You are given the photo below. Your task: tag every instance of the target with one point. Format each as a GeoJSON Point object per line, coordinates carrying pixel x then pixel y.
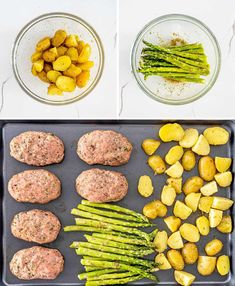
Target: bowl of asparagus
{"type": "Point", "coordinates": [175, 59]}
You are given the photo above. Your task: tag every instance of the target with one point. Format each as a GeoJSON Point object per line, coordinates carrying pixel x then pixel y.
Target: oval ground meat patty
{"type": "Point", "coordinates": [37, 262]}
{"type": "Point", "coordinates": [100, 186]}
{"type": "Point", "coordinates": [37, 148]}
{"type": "Point", "coordinates": [34, 186]}
{"type": "Point", "coordinates": [105, 147]}
{"type": "Point", "coordinates": [36, 226]}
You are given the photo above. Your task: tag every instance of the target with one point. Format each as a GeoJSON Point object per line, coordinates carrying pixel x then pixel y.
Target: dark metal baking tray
{"type": "Point", "coordinates": [68, 170]}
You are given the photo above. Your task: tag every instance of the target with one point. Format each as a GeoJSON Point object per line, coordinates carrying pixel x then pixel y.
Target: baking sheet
{"type": "Point", "coordinates": [72, 166]}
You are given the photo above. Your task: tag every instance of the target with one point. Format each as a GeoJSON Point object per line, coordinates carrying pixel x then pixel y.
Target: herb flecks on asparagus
{"type": "Point", "coordinates": [186, 63]}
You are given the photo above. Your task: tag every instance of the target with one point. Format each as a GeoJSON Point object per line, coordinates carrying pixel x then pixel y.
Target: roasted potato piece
{"type": "Point", "coordinates": [206, 265]}
{"type": "Point", "coordinates": [192, 185]}
{"type": "Point", "coordinates": [171, 132]}
{"type": "Point", "coordinates": [223, 265]}
{"type": "Point", "coordinates": [192, 201]}
{"type": "Point", "coordinates": [175, 241]}
{"type": "Point", "coordinates": [190, 253]}
{"type": "Point", "coordinates": [80, 46]}
{"type": "Point", "coordinates": [54, 90]}
{"type": "Point", "coordinates": [190, 138]}
{"type": "Point", "coordinates": [50, 55]}
{"type": "Point", "coordinates": [162, 262]}
{"type": "Point", "coordinates": [181, 210]}
{"type": "Point", "coordinates": [222, 164]}
{"type": "Point", "coordinates": [84, 54]}
{"type": "Point", "coordinates": [38, 65]}
{"type": "Point", "coordinates": [86, 67]}
{"type": "Point", "coordinates": [189, 232]}
{"type": "Point", "coordinates": [174, 155]}
{"type": "Point", "coordinates": [73, 54]}
{"type": "Point", "coordinates": [36, 56]}
{"type": "Point", "coordinates": [66, 83]}
{"type": "Point", "coordinates": [206, 168]}
{"type": "Point", "coordinates": [216, 135]}
{"type": "Point", "coordinates": [53, 75]}
{"type": "Point", "coordinates": [224, 179]}
{"type": "Point", "coordinates": [83, 78]}
{"type": "Point", "coordinates": [222, 204]}
{"type": "Point", "coordinates": [43, 44]}
{"type": "Point", "coordinates": [168, 195]}
{"type": "Point", "coordinates": [173, 223]}
{"type": "Point", "coordinates": [62, 63]}
{"type": "Point", "coordinates": [43, 77]}
{"type": "Point", "coordinates": [205, 204]}
{"type": "Point", "coordinates": [176, 259]}
{"type": "Point", "coordinates": [203, 225]}
{"type": "Point", "coordinates": [47, 67]}
{"type": "Point", "coordinates": [215, 217]}
{"type": "Point", "coordinates": [160, 241]}
{"type": "Point", "coordinates": [145, 186]}
{"type": "Point", "coordinates": [176, 183]}
{"type": "Point", "coordinates": [184, 278]}
{"type": "Point", "coordinates": [33, 71]}
{"type": "Point", "coordinates": [61, 51]}
{"type": "Point", "coordinates": [213, 247]}
{"type": "Point", "coordinates": [71, 41]}
{"type": "Point", "coordinates": [58, 38]}
{"type": "Point", "coordinates": [154, 209]}
{"type": "Point", "coordinates": [72, 71]}
{"type": "Point", "coordinates": [149, 146]}
{"type": "Point", "coordinates": [188, 160]}
{"type": "Point", "coordinates": [209, 189]}
{"type": "Point", "coordinates": [157, 164]}
{"type": "Point", "coordinates": [175, 171]}
{"type": "Point", "coordinates": [225, 225]}
{"type": "Point", "coordinates": [201, 147]}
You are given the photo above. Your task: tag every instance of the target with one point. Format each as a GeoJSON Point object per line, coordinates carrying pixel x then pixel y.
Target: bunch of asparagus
{"type": "Point", "coordinates": [114, 252]}
{"type": "Point", "coordinates": [185, 63]}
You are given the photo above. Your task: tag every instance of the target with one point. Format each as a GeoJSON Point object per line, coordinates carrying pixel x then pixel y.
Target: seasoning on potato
{"type": "Point", "coordinates": [205, 204]}
{"type": "Point", "coordinates": [224, 179]}
{"type": "Point", "coordinates": [64, 54]}
{"type": "Point", "coordinates": [145, 186]}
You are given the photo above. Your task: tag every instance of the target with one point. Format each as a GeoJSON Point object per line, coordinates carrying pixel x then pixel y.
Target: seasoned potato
{"type": "Point", "coordinates": [190, 138]}
{"type": "Point", "coordinates": [189, 232]}
{"type": "Point", "coordinates": [53, 75]}
{"type": "Point", "coordinates": [201, 147]}
{"type": "Point", "coordinates": [72, 71]}
{"type": "Point", "coordinates": [47, 67]}
{"type": "Point", "coordinates": [203, 225]}
{"type": "Point", "coordinates": [149, 146]}
{"type": "Point", "coordinates": [65, 83]}
{"type": "Point", "coordinates": [43, 76]}
{"type": "Point", "coordinates": [222, 204]}
{"type": "Point", "coordinates": [175, 240]}
{"type": "Point", "coordinates": [174, 155]}
{"type": "Point", "coordinates": [206, 168]}
{"type": "Point", "coordinates": [206, 265]}
{"type": "Point", "coordinates": [192, 185]}
{"type": "Point", "coordinates": [168, 195]}
{"type": "Point", "coordinates": [83, 78]}
{"type": "Point", "coordinates": [209, 189]}
{"type": "Point", "coordinates": [213, 247]}
{"type": "Point", "coordinates": [216, 135]}
{"type": "Point", "coordinates": [181, 210]}
{"type": "Point", "coordinates": [225, 225]}
{"type": "Point", "coordinates": [38, 65]}
{"type": "Point", "coordinates": [223, 265]}
{"type": "Point", "coordinates": [33, 71]}
{"type": "Point", "coordinates": [190, 253]}
{"type": "Point", "coordinates": [71, 41]}
{"type": "Point", "coordinates": [175, 171]}
{"type": "Point", "coordinates": [171, 132]}
{"type": "Point", "coordinates": [176, 259]}
{"type": "Point", "coordinates": [154, 209]}
{"type": "Point", "coordinates": [224, 179]}
{"type": "Point", "coordinates": [54, 90]}
{"type": "Point", "coordinates": [49, 56]}
{"type": "Point", "coordinates": [222, 164]}
{"type": "Point", "coordinates": [176, 183]}
{"type": "Point", "coordinates": [160, 241]}
{"type": "Point", "coordinates": [80, 46]}
{"type": "Point", "coordinates": [205, 204]}
{"type": "Point", "coordinates": [184, 278]}
{"type": "Point", "coordinates": [162, 262]}
{"type": "Point", "coordinates": [62, 63]}
{"type": "Point", "coordinates": [173, 223]}
{"type": "Point", "coordinates": [192, 201]}
{"type": "Point", "coordinates": [43, 44]}
{"type": "Point", "coordinates": [61, 51]}
{"type": "Point", "coordinates": [58, 38]}
{"type": "Point", "coordinates": [73, 54]}
{"type": "Point", "coordinates": [145, 186]}
{"type": "Point", "coordinates": [188, 160]}
{"type": "Point", "coordinates": [215, 217]}
{"type": "Point", "coordinates": [36, 56]}
{"type": "Point", "coordinates": [157, 164]}
{"type": "Point", "coordinates": [84, 54]}
{"type": "Point", "coordinates": [87, 66]}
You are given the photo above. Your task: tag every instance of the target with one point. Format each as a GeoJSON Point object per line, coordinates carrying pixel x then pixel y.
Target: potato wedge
{"type": "Point", "coordinates": [145, 186]}
{"type": "Point", "coordinates": [176, 259]}
{"type": "Point", "coordinates": [175, 171]}
{"type": "Point", "coordinates": [173, 223]}
{"type": "Point", "coordinates": [206, 265]}
{"type": "Point", "coordinates": [223, 265]}
{"type": "Point", "coordinates": [162, 262]}
{"type": "Point", "coordinates": [38, 65]}
{"type": "Point", "coordinates": [205, 204]}
{"type": "Point", "coordinates": [71, 41]}
{"type": "Point", "coordinates": [188, 160]}
{"type": "Point", "coordinates": [181, 210]}
{"type": "Point", "coordinates": [168, 195]}
{"type": "Point", "coordinates": [150, 146]}
{"type": "Point", "coordinates": [174, 154]}
{"type": "Point", "coordinates": [203, 225]}
{"type": "Point", "coordinates": [202, 146]}
{"type": "Point", "coordinates": [61, 51]}
{"type": "Point", "coordinates": [86, 66]}
{"type": "Point", "coordinates": [160, 241]}
{"type": "Point", "coordinates": [192, 185]}
{"type": "Point", "coordinates": [175, 241]}
{"type": "Point", "coordinates": [49, 55]}
{"type": "Point", "coordinates": [62, 63]}
{"type": "Point", "coordinates": [225, 225]}
{"type": "Point", "coordinates": [53, 75]}
{"type": "Point", "coordinates": [157, 164]}
{"type": "Point", "coordinates": [171, 132]}
{"type": "Point", "coordinates": [190, 253]}
{"type": "Point", "coordinates": [65, 83]}
{"type": "Point", "coordinates": [72, 71]}
{"type": "Point", "coordinates": [84, 54]}
{"type": "Point", "coordinates": [189, 232]}
{"type": "Point", "coordinates": [222, 204]}
{"type": "Point", "coordinates": [36, 56]}
{"type": "Point", "coordinates": [216, 135]}
{"type": "Point", "coordinates": [184, 278]}
{"type": "Point", "coordinates": [224, 179]}
{"type": "Point", "coordinates": [58, 38]}
{"type": "Point", "coordinates": [190, 138]}
{"type": "Point", "coordinates": [43, 44]}
{"type": "Point", "coordinates": [154, 209]}
{"type": "Point", "coordinates": [72, 52]}
{"type": "Point", "coordinates": [206, 168]}
{"type": "Point", "coordinates": [176, 183]}
{"type": "Point", "coordinates": [215, 217]}
{"type": "Point", "coordinates": [43, 76]}
{"type": "Point", "coordinates": [54, 90]}
{"type": "Point", "coordinates": [222, 164]}
{"type": "Point", "coordinates": [192, 201]}
{"type": "Point", "coordinates": [213, 247]}
{"type": "Point", "coordinates": [209, 189]}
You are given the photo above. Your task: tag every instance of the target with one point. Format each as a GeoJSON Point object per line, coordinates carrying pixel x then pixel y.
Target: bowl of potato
{"type": "Point", "coordinates": [58, 58]}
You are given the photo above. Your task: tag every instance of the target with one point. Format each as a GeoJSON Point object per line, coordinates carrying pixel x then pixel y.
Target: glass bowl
{"type": "Point", "coordinates": [46, 25]}
{"type": "Point", "coordinates": [161, 31]}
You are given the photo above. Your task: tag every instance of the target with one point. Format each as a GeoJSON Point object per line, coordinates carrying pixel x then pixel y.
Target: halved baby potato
{"type": "Point", "coordinates": [175, 240]}
{"type": "Point", "coordinates": [176, 183]}
{"type": "Point", "coordinates": [221, 203]}
{"type": "Point", "coordinates": [189, 232]}
{"type": "Point", "coordinates": [157, 164]}
{"type": "Point", "coordinates": [223, 265]}
{"type": "Point", "coordinates": [184, 278]}
{"type": "Point", "coordinates": [192, 185]}
{"type": "Point", "coordinates": [181, 210]}
{"type": "Point", "coordinates": [168, 195]}
{"type": "Point", "coordinates": [192, 200]}
{"type": "Point", "coordinates": [173, 223]}
{"type": "Point", "coordinates": [205, 204]}
{"type": "Point", "coordinates": [206, 265]}
{"type": "Point", "coordinates": [150, 146]}
{"type": "Point", "coordinates": [224, 179]}
{"type": "Point", "coordinates": [175, 171]}
{"type": "Point", "coordinates": [215, 217]}
{"type": "Point", "coordinates": [171, 132]}
{"type": "Point", "coordinates": [203, 225]}
{"type": "Point", "coordinates": [176, 259]}
{"type": "Point", "coordinates": [190, 138]}
{"type": "Point", "coordinates": [209, 189]}
{"type": "Point", "coordinates": [202, 146]}
{"type": "Point", "coordinates": [188, 160]}
{"type": "Point", "coordinates": [145, 186]}
{"type": "Point", "coordinates": [160, 241]}
{"type": "Point", "coordinates": [225, 225]}
{"type": "Point", "coordinates": [216, 135]}
{"type": "Point", "coordinates": [222, 164]}
{"type": "Point", "coordinates": [162, 262]}
{"type": "Point", "coordinates": [174, 154]}
{"type": "Point", "coordinates": [213, 247]}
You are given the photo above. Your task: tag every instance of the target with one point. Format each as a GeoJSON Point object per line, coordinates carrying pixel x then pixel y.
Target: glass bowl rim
{"type": "Point", "coordinates": [40, 18]}
{"type": "Point", "coordinates": [213, 40]}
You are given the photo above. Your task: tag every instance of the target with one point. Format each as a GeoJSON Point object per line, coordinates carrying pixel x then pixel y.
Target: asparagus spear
{"type": "Point", "coordinates": [153, 234]}
{"type": "Point", "coordinates": [108, 220]}
{"type": "Point", "coordinates": [163, 69]}
{"type": "Point", "coordinates": [171, 74]}
{"type": "Point", "coordinates": [112, 276]}
{"type": "Point", "coordinates": [85, 228]}
{"type": "Point", "coordinates": [115, 208]}
{"type": "Point", "coordinates": [93, 268]}
{"type": "Point", "coordinates": [187, 47]}
{"type": "Point", "coordinates": [96, 273]}
{"type": "Point", "coordinates": [114, 281]}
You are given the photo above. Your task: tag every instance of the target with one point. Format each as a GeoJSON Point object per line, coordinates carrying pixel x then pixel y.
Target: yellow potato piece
{"type": "Point", "coordinates": [184, 278]}
{"type": "Point", "coordinates": [181, 210]}
{"type": "Point", "coordinates": [71, 41]}
{"type": "Point", "coordinates": [149, 146]}
{"type": "Point", "coordinates": [43, 77]}
{"type": "Point", "coordinates": [36, 56]}
{"type": "Point", "coordinates": [157, 164]}
{"type": "Point", "coordinates": [215, 217]}
{"type": "Point", "coordinates": [33, 71]}
{"type": "Point", "coordinates": [84, 54]}
{"type": "Point", "coordinates": [176, 259]}
{"type": "Point", "coordinates": [221, 203]}
{"type": "Point", "coordinates": [154, 209]}
{"type": "Point", "coordinates": [50, 55]}
{"type": "Point", "coordinates": [53, 75]}
{"type": "Point", "coordinates": [66, 83]}
{"type": "Point", "coordinates": [175, 171]}
{"type": "Point", "coordinates": [202, 146]}
{"type": "Point", "coordinates": [189, 232]}
{"type": "Point", "coordinates": [190, 138]}
{"type": "Point", "coordinates": [203, 225]}
{"type": "Point", "coordinates": [61, 51]}
{"type": "Point", "coordinates": [206, 265]}
{"type": "Point", "coordinates": [59, 38]}
{"type": "Point", "coordinates": [190, 253]}
{"type": "Point", "coordinates": [216, 135]}
{"type": "Point", "coordinates": [83, 78]}
{"type": "Point", "coordinates": [160, 241]}
{"type": "Point", "coordinates": [192, 201]}
{"type": "Point", "coordinates": [213, 247]}
{"type": "Point", "coordinates": [174, 155]}
{"type": "Point", "coordinates": [205, 204]}
{"type": "Point", "coordinates": [86, 66]}
{"type": "Point", "coordinates": [81, 45]}
{"type": "Point", "coordinates": [222, 164]}
{"type": "Point", "coordinates": [43, 44]}
{"type": "Point", "coordinates": [72, 71]}
{"type": "Point", "coordinates": [62, 63]}
{"type": "Point", "coordinates": [224, 179]}
{"type": "Point", "coordinates": [145, 186]}
{"type": "Point", "coordinates": [162, 262]}
{"type": "Point", "coordinates": [73, 54]}
{"type": "Point", "coordinates": [206, 168]}
{"type": "Point", "coordinates": [168, 195]}
{"type": "Point", "coordinates": [209, 189]}
{"type": "Point", "coordinates": [188, 160]}
{"type": "Point", "coordinates": [171, 132]}
{"type": "Point", "coordinates": [225, 225]}
{"type": "Point", "coordinates": [192, 185]}
{"type": "Point", "coordinates": [38, 65]}
{"type": "Point", "coordinates": [223, 265]}
{"type": "Point", "coordinates": [47, 67]}
{"type": "Point", "coordinates": [176, 183]}
{"type": "Point", "coordinates": [175, 241]}
{"type": "Point", "coordinates": [54, 90]}
{"type": "Point", "coordinates": [173, 223]}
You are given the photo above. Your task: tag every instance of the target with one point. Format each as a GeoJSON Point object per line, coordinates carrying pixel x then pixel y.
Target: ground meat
{"type": "Point", "coordinates": [105, 147]}
{"type": "Point", "coordinates": [36, 226]}
{"type": "Point", "coordinates": [37, 148]}
{"type": "Point", "coordinates": [100, 186]}
{"type": "Point", "coordinates": [37, 263]}
{"type": "Point", "coordinates": [34, 186]}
